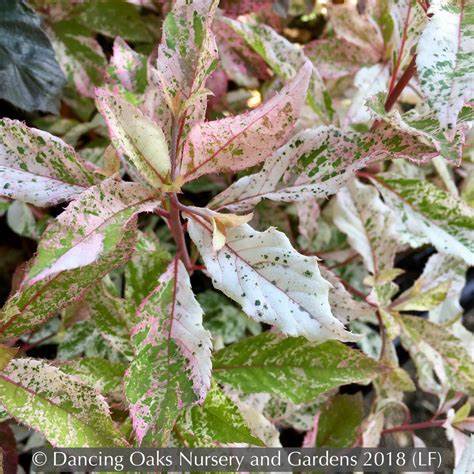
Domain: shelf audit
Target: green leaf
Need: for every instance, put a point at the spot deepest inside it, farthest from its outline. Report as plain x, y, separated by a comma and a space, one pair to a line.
67, 412
114, 18
436, 351
217, 420
291, 368
339, 421
29, 74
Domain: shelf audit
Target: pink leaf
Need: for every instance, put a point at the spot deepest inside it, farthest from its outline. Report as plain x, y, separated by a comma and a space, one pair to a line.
239, 142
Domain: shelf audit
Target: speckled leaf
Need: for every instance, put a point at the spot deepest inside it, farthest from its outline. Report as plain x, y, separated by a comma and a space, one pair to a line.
186, 56
426, 213
360, 213
172, 366
245, 140
218, 420
33, 304
368, 82
339, 421
291, 368
336, 57
79, 55
37, 167
136, 136
67, 412
444, 59
435, 351
127, 67
91, 226
270, 279
318, 162
422, 122
285, 59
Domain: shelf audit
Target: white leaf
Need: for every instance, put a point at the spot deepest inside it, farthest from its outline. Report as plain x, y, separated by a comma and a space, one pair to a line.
444, 60
272, 281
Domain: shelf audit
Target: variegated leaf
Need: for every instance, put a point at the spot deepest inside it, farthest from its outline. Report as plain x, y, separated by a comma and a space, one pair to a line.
444, 60
79, 55
33, 304
422, 122
368, 223
127, 67
235, 143
272, 281
136, 136
186, 56
336, 57
172, 366
218, 420
291, 368
67, 412
424, 213
437, 352
285, 59
318, 162
39, 168
90, 226
357, 28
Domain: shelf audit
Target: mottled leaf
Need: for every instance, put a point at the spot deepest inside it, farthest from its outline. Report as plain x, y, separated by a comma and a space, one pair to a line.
33, 304
37, 167
425, 213
291, 368
285, 59
172, 366
360, 213
318, 162
91, 226
218, 420
437, 352
67, 412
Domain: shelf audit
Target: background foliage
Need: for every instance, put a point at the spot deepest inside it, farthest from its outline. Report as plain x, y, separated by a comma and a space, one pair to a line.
236, 223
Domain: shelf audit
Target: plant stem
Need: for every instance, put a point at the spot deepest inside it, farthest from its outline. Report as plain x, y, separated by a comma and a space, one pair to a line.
401, 84
415, 426
178, 232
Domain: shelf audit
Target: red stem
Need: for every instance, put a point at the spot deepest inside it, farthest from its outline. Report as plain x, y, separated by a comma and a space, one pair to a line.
415, 426
178, 232
401, 84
